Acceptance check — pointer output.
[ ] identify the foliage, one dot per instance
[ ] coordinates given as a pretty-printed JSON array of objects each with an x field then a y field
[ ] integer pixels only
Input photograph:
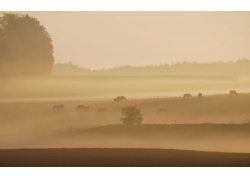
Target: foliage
[
  {"x": 131, "y": 115},
  {"x": 69, "y": 69},
  {"x": 239, "y": 67},
  {"x": 25, "y": 46}
]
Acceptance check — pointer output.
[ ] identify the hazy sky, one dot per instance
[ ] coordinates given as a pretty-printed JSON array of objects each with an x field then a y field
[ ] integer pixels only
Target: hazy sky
[{"x": 107, "y": 39}]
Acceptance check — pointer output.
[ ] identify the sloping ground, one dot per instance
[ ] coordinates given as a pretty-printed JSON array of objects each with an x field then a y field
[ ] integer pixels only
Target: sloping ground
[
  {"x": 100, "y": 157},
  {"x": 203, "y": 137}
]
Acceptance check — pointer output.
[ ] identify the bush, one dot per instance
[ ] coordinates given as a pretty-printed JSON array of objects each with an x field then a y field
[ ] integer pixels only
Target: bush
[{"x": 131, "y": 115}]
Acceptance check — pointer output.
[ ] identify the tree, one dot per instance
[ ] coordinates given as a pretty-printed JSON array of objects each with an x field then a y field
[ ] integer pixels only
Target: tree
[
  {"x": 25, "y": 46},
  {"x": 131, "y": 115}
]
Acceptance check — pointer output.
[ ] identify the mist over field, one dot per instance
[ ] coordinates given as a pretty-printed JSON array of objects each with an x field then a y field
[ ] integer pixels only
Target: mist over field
[
  {"x": 97, "y": 87},
  {"x": 217, "y": 122},
  {"x": 124, "y": 80}
]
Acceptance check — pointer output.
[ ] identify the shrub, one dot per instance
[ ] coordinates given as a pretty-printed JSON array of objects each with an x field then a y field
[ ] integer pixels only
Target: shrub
[{"x": 131, "y": 115}]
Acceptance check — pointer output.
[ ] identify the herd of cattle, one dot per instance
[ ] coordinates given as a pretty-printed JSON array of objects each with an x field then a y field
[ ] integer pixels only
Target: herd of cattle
[{"x": 122, "y": 98}]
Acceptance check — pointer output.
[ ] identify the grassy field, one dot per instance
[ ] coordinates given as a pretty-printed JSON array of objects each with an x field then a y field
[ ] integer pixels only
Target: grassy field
[
  {"x": 103, "y": 157},
  {"x": 216, "y": 123},
  {"x": 106, "y": 87}
]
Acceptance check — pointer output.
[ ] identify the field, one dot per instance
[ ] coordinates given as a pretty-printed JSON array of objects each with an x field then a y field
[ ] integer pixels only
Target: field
[
  {"x": 103, "y": 157},
  {"x": 97, "y": 87},
  {"x": 215, "y": 123}
]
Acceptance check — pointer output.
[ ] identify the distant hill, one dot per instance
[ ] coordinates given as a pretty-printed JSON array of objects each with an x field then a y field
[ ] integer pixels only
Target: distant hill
[{"x": 241, "y": 67}]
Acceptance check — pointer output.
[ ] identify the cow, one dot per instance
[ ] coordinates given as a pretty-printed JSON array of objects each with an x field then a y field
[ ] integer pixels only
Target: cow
[
  {"x": 162, "y": 110},
  {"x": 80, "y": 107},
  {"x": 188, "y": 95},
  {"x": 233, "y": 93},
  {"x": 58, "y": 107},
  {"x": 101, "y": 110},
  {"x": 86, "y": 108},
  {"x": 62, "y": 107},
  {"x": 117, "y": 100},
  {"x": 120, "y": 99}
]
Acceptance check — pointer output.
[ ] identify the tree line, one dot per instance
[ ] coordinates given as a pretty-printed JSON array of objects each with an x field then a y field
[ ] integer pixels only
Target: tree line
[
  {"x": 239, "y": 67},
  {"x": 26, "y": 49}
]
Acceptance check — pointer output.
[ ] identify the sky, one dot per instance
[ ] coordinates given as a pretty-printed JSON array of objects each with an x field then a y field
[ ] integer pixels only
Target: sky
[{"x": 108, "y": 39}]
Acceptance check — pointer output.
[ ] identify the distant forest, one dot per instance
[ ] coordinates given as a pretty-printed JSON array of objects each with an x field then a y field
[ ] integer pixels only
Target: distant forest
[{"x": 241, "y": 67}]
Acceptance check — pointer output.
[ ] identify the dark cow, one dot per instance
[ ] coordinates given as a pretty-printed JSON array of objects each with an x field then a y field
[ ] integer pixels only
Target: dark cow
[
  {"x": 116, "y": 100},
  {"x": 62, "y": 107},
  {"x": 86, "y": 108},
  {"x": 162, "y": 110},
  {"x": 80, "y": 107},
  {"x": 101, "y": 110},
  {"x": 120, "y": 99},
  {"x": 188, "y": 95},
  {"x": 200, "y": 96},
  {"x": 233, "y": 93},
  {"x": 58, "y": 107}
]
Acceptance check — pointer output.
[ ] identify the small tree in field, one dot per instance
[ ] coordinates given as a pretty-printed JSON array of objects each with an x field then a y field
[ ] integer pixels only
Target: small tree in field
[{"x": 131, "y": 115}]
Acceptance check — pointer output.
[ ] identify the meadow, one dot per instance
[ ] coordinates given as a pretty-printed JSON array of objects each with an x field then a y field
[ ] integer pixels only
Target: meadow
[
  {"x": 120, "y": 157},
  {"x": 99, "y": 87},
  {"x": 217, "y": 122}
]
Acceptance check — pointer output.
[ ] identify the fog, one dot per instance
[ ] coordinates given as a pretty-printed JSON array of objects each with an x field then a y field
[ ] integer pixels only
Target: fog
[
  {"x": 101, "y": 87},
  {"x": 215, "y": 123}
]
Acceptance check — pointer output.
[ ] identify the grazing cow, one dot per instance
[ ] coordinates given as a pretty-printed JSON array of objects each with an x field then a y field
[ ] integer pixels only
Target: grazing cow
[
  {"x": 233, "y": 93},
  {"x": 200, "y": 96},
  {"x": 188, "y": 95},
  {"x": 121, "y": 98},
  {"x": 80, "y": 107},
  {"x": 62, "y": 107},
  {"x": 86, "y": 108},
  {"x": 116, "y": 100},
  {"x": 101, "y": 110},
  {"x": 162, "y": 110},
  {"x": 56, "y": 107}
]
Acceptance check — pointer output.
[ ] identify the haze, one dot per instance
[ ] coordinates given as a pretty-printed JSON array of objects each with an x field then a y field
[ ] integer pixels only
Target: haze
[
  {"x": 188, "y": 106},
  {"x": 108, "y": 39}
]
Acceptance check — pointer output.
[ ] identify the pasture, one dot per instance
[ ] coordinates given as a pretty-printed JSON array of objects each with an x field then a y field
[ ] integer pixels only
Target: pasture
[
  {"x": 215, "y": 122},
  {"x": 104, "y": 157},
  {"x": 192, "y": 124},
  {"x": 105, "y": 87}
]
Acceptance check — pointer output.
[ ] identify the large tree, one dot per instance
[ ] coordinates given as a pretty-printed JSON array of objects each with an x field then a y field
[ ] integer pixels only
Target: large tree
[{"x": 25, "y": 46}]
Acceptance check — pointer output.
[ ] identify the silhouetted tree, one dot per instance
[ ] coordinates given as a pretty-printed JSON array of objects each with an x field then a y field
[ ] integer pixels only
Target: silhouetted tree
[
  {"x": 131, "y": 115},
  {"x": 25, "y": 46}
]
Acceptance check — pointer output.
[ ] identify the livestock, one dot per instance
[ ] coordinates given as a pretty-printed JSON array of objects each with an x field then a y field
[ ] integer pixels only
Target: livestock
[
  {"x": 80, "y": 107},
  {"x": 233, "y": 93},
  {"x": 58, "y": 107},
  {"x": 101, "y": 110},
  {"x": 162, "y": 110},
  {"x": 121, "y": 98},
  {"x": 62, "y": 107},
  {"x": 86, "y": 108},
  {"x": 117, "y": 100},
  {"x": 188, "y": 95}
]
